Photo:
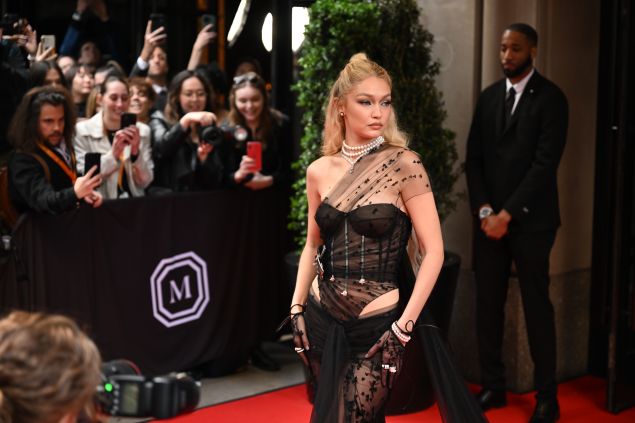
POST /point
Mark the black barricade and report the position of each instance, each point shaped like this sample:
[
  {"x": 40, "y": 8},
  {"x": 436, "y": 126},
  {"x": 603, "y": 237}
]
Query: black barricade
[{"x": 167, "y": 282}]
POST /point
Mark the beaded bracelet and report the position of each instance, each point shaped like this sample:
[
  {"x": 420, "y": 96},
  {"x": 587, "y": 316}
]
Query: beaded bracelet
[
  {"x": 405, "y": 332},
  {"x": 399, "y": 334}
]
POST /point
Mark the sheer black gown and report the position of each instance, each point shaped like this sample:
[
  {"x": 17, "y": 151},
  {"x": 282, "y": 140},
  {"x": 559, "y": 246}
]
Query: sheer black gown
[
  {"x": 366, "y": 254},
  {"x": 365, "y": 230}
]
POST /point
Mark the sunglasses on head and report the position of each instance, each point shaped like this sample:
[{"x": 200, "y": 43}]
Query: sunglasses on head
[{"x": 247, "y": 77}]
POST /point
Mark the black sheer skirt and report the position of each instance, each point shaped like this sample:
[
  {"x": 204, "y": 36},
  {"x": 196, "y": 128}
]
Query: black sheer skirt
[{"x": 349, "y": 387}]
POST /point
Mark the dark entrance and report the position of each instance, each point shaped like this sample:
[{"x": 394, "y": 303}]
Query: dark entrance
[{"x": 612, "y": 343}]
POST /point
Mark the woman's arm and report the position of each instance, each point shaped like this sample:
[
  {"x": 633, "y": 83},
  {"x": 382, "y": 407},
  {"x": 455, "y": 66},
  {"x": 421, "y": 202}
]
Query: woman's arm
[
  {"x": 306, "y": 270},
  {"x": 425, "y": 220},
  {"x": 203, "y": 39}
]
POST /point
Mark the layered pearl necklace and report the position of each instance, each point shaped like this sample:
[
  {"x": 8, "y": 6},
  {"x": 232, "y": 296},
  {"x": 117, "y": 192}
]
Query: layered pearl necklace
[{"x": 353, "y": 154}]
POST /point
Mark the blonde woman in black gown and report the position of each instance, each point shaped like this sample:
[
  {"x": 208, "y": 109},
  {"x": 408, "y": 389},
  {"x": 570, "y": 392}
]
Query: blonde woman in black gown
[{"x": 366, "y": 195}]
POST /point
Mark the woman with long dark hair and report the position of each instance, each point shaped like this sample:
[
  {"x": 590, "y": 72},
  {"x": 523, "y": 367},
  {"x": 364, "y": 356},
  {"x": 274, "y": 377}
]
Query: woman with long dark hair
[
  {"x": 46, "y": 72},
  {"x": 80, "y": 79},
  {"x": 126, "y": 156},
  {"x": 184, "y": 159}
]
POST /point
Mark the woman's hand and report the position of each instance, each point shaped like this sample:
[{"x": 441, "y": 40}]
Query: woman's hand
[
  {"x": 85, "y": 187},
  {"x": 31, "y": 40},
  {"x": 123, "y": 137},
  {"x": 99, "y": 8},
  {"x": 391, "y": 356},
  {"x": 204, "y": 38},
  {"x": 246, "y": 164},
  {"x": 300, "y": 338},
  {"x": 259, "y": 181},
  {"x": 42, "y": 54},
  {"x": 134, "y": 138},
  {"x": 151, "y": 39},
  {"x": 203, "y": 151},
  {"x": 197, "y": 118}
]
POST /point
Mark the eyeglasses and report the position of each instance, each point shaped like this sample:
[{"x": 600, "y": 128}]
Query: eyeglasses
[{"x": 247, "y": 77}]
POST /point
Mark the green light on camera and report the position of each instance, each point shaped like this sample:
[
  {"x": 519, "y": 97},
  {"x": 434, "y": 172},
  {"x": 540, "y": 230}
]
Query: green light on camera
[{"x": 108, "y": 387}]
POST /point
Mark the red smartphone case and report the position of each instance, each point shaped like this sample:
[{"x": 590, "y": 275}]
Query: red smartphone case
[{"x": 254, "y": 150}]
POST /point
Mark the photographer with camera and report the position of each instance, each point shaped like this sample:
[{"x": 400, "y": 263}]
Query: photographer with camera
[
  {"x": 49, "y": 369},
  {"x": 122, "y": 143},
  {"x": 185, "y": 159}
]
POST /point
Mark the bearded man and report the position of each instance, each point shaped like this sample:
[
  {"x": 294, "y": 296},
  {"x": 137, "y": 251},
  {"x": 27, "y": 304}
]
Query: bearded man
[
  {"x": 42, "y": 174},
  {"x": 514, "y": 147}
]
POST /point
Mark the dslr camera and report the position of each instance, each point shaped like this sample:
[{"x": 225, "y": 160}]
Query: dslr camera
[
  {"x": 125, "y": 392},
  {"x": 218, "y": 135}
]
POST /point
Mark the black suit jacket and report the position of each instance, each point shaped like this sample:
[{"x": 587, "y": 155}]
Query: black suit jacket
[
  {"x": 31, "y": 191},
  {"x": 514, "y": 166}
]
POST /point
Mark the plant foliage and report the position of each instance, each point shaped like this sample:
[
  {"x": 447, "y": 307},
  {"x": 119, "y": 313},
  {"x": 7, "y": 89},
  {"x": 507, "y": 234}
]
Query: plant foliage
[{"x": 389, "y": 32}]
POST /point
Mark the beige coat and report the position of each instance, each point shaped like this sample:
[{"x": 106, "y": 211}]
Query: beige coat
[{"x": 90, "y": 138}]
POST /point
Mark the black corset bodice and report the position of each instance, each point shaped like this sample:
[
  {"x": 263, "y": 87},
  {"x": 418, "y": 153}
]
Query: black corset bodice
[{"x": 360, "y": 258}]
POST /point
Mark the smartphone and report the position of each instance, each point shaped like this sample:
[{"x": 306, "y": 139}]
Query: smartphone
[
  {"x": 208, "y": 19},
  {"x": 254, "y": 150},
  {"x": 158, "y": 21},
  {"x": 128, "y": 119},
  {"x": 90, "y": 160},
  {"x": 48, "y": 41}
]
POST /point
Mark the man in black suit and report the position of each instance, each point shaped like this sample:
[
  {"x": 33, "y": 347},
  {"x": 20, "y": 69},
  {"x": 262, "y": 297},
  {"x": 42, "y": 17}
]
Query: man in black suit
[{"x": 515, "y": 143}]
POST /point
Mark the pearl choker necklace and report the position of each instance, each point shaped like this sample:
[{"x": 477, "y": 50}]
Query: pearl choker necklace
[{"x": 353, "y": 154}]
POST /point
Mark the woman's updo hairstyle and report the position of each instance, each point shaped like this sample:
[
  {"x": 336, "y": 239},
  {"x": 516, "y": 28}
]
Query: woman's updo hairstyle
[{"x": 358, "y": 68}]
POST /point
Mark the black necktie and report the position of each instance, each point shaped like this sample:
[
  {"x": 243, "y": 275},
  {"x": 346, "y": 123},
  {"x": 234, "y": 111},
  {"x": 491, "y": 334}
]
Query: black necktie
[{"x": 509, "y": 103}]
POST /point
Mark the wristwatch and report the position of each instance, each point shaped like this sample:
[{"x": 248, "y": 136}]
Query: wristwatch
[{"x": 484, "y": 212}]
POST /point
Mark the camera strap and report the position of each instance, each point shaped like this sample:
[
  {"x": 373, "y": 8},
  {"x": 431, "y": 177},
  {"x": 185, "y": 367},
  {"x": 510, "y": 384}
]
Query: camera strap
[{"x": 71, "y": 173}]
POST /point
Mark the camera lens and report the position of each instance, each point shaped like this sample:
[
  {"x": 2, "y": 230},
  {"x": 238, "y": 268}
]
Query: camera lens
[{"x": 212, "y": 135}]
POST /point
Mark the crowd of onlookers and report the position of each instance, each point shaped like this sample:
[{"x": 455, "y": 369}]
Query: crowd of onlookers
[
  {"x": 68, "y": 135},
  {"x": 77, "y": 128}
]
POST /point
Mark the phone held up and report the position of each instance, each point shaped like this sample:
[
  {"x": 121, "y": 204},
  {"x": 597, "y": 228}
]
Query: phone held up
[
  {"x": 208, "y": 19},
  {"x": 48, "y": 41},
  {"x": 158, "y": 21},
  {"x": 90, "y": 160},
  {"x": 128, "y": 119},
  {"x": 254, "y": 151}
]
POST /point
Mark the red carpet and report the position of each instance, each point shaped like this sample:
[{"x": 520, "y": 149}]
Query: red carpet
[{"x": 581, "y": 401}]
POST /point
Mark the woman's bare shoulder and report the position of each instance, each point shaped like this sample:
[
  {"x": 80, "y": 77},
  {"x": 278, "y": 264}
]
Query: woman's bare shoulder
[{"x": 321, "y": 166}]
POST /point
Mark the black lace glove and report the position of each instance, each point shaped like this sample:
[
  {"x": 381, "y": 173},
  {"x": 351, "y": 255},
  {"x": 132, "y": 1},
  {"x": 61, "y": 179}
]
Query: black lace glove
[
  {"x": 300, "y": 338},
  {"x": 391, "y": 356}
]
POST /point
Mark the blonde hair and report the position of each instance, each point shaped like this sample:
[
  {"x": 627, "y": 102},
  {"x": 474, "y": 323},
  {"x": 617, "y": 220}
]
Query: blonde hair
[
  {"x": 48, "y": 368},
  {"x": 358, "y": 68}
]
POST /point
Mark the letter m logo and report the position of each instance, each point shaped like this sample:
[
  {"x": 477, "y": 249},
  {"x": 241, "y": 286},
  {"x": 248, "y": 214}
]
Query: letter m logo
[{"x": 180, "y": 289}]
